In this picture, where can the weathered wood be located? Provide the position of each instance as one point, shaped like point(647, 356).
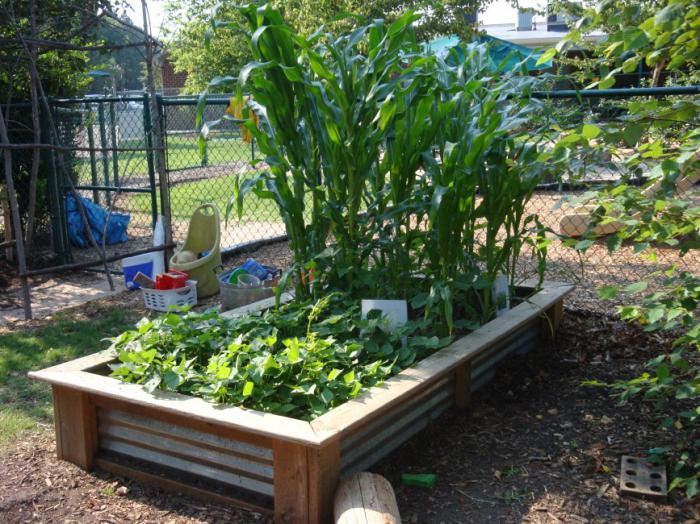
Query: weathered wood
point(76, 426)
point(179, 487)
point(372, 403)
point(291, 482)
point(551, 320)
point(366, 498)
point(463, 385)
point(246, 420)
point(324, 470)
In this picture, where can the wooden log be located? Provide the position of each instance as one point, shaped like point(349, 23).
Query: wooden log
point(366, 498)
point(76, 426)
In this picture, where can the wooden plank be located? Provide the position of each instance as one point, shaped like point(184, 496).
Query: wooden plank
point(551, 321)
point(377, 400)
point(76, 427)
point(291, 482)
point(245, 420)
point(86, 363)
point(463, 385)
point(179, 487)
point(324, 470)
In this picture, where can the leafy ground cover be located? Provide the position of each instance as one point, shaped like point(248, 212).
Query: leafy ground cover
point(300, 360)
point(25, 402)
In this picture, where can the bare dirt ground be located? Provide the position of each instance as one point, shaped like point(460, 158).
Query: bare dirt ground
point(536, 446)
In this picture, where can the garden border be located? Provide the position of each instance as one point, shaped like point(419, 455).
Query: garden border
point(292, 463)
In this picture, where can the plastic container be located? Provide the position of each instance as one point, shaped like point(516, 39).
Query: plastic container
point(203, 235)
point(132, 265)
point(162, 300)
point(233, 296)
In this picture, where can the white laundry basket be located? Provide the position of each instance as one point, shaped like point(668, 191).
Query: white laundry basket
point(162, 299)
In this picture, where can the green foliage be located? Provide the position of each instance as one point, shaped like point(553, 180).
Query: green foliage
point(414, 167)
point(301, 360)
point(663, 213)
point(662, 35)
point(189, 26)
point(203, 55)
point(124, 66)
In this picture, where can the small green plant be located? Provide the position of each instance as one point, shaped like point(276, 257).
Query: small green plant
point(514, 496)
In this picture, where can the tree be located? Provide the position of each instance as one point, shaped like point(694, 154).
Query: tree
point(227, 51)
point(43, 51)
point(123, 65)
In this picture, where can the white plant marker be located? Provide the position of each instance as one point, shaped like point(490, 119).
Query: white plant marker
point(501, 294)
point(395, 312)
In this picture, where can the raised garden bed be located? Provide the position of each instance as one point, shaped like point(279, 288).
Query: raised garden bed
point(269, 462)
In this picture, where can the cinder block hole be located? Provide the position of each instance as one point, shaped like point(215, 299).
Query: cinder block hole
point(655, 475)
point(631, 461)
point(630, 485)
point(631, 472)
point(655, 488)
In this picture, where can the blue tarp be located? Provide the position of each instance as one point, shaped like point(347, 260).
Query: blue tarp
point(499, 50)
point(97, 218)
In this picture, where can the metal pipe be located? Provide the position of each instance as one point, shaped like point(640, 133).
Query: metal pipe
point(84, 265)
point(103, 143)
point(112, 188)
point(626, 92)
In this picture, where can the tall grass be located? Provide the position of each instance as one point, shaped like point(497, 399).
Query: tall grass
point(419, 170)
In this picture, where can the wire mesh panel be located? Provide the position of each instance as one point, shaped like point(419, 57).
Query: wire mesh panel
point(105, 157)
point(207, 174)
point(566, 202)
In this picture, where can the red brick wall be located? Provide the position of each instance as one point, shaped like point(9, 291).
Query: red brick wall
point(172, 81)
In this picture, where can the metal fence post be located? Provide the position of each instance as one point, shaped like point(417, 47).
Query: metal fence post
point(103, 145)
point(115, 154)
point(59, 229)
point(148, 130)
point(93, 160)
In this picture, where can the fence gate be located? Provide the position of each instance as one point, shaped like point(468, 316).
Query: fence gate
point(106, 154)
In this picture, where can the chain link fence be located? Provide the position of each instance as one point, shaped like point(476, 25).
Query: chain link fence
point(207, 174)
point(106, 153)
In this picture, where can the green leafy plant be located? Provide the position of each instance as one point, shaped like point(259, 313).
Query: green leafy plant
point(661, 214)
point(300, 360)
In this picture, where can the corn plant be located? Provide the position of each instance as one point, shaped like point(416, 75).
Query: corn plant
point(396, 173)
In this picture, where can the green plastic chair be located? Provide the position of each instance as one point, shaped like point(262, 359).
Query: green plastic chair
point(203, 235)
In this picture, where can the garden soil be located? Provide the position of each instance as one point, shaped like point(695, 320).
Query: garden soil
point(535, 446)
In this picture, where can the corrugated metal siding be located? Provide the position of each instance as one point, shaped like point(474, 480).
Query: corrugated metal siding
point(377, 439)
point(221, 459)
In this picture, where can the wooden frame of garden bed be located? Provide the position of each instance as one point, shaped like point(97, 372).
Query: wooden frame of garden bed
point(269, 462)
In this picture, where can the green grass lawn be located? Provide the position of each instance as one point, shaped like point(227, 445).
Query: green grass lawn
point(25, 402)
point(182, 150)
point(185, 198)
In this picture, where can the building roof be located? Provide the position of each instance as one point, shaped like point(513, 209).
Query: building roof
point(539, 37)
